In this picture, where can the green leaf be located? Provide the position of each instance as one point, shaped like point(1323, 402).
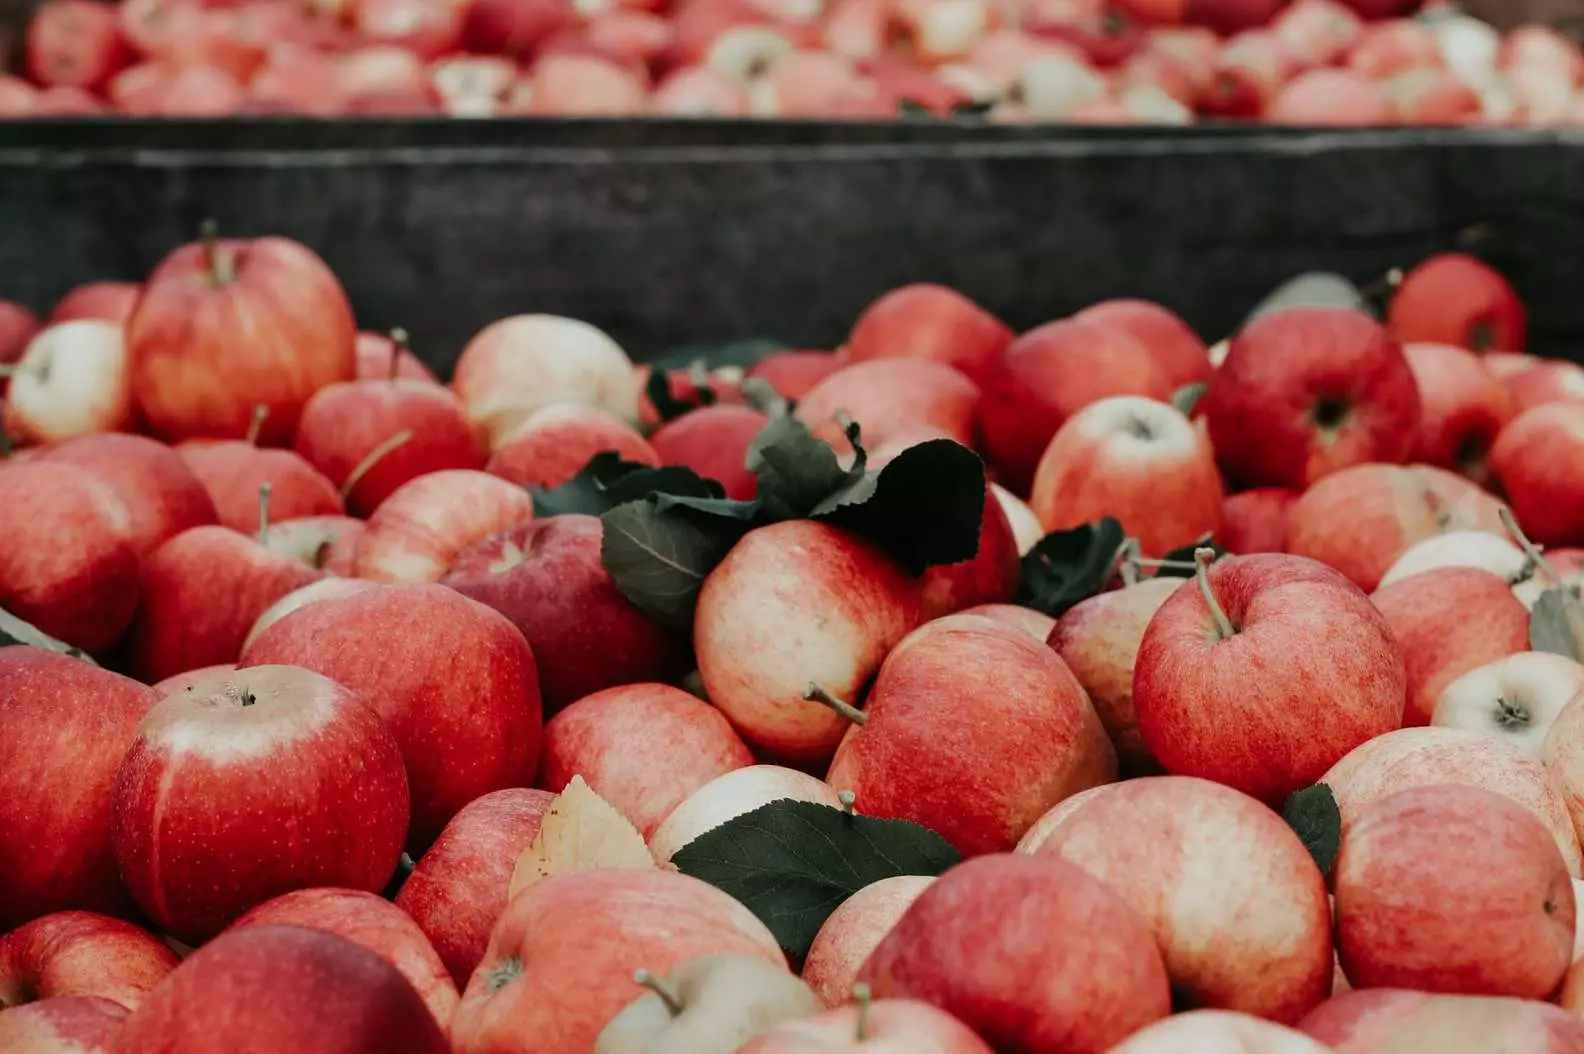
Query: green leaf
point(659, 560)
point(1313, 814)
point(796, 471)
point(667, 406)
point(607, 481)
point(1551, 625)
point(1185, 558)
point(1187, 397)
point(14, 632)
point(925, 507)
point(743, 354)
point(974, 108)
point(792, 863)
point(914, 109)
point(1066, 567)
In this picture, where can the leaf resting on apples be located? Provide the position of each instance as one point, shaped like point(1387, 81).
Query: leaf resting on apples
point(792, 863)
point(659, 559)
point(1551, 625)
point(15, 632)
point(607, 481)
point(1066, 567)
point(1313, 814)
point(579, 831)
point(798, 473)
point(925, 507)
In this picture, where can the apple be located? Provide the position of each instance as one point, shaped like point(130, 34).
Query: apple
point(1487, 913)
point(1255, 521)
point(795, 603)
point(1454, 298)
point(1562, 753)
point(183, 682)
point(1249, 70)
point(1218, 1030)
point(1393, 47)
point(1517, 698)
point(709, 1005)
point(1464, 406)
point(578, 83)
point(325, 543)
point(190, 801)
point(69, 565)
point(71, 381)
point(319, 985)
point(793, 374)
point(561, 959)
point(975, 759)
point(964, 947)
point(1530, 459)
point(418, 532)
point(65, 1024)
point(514, 28)
point(1547, 382)
point(1340, 368)
point(1176, 348)
point(80, 953)
point(18, 98)
point(373, 922)
point(232, 471)
point(427, 28)
point(852, 932)
point(713, 441)
point(1433, 96)
point(226, 326)
point(1138, 461)
point(322, 589)
point(109, 301)
point(553, 444)
point(889, 395)
point(460, 694)
point(75, 44)
point(885, 1026)
point(1047, 375)
point(1478, 549)
point(1027, 531)
point(1381, 1019)
point(1317, 32)
point(990, 576)
point(1046, 825)
point(933, 322)
point(161, 495)
point(380, 358)
point(731, 795)
point(1331, 97)
point(1427, 757)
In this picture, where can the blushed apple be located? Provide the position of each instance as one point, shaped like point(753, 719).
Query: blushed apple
point(713, 441)
point(183, 682)
point(1048, 824)
point(887, 395)
point(1256, 521)
point(161, 495)
point(379, 357)
point(1218, 1030)
point(65, 1024)
point(1454, 298)
point(232, 471)
point(1176, 348)
point(933, 322)
point(1530, 459)
point(70, 381)
point(990, 576)
point(793, 374)
point(1379, 1019)
point(1036, 624)
point(853, 931)
point(1562, 753)
point(1464, 406)
point(1477, 549)
point(80, 953)
point(1546, 382)
point(1027, 530)
point(419, 531)
point(324, 543)
point(320, 589)
point(1517, 698)
point(109, 301)
point(732, 795)
point(552, 445)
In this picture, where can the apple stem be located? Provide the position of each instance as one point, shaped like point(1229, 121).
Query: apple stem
point(255, 426)
point(1171, 565)
point(374, 457)
point(208, 236)
point(863, 996)
point(1130, 562)
point(264, 500)
point(848, 800)
point(1204, 556)
point(398, 339)
point(1531, 550)
point(658, 987)
point(816, 694)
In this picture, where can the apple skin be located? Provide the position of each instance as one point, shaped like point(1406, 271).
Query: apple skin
point(110, 301)
point(459, 886)
point(232, 471)
point(312, 593)
point(890, 1026)
point(202, 591)
point(74, 44)
point(1382, 1019)
point(853, 931)
point(1175, 347)
point(275, 329)
point(190, 802)
point(1427, 757)
point(1036, 624)
point(593, 738)
point(1306, 391)
point(1463, 408)
point(990, 576)
point(725, 1001)
point(1453, 298)
point(1456, 890)
point(80, 953)
point(964, 947)
point(1562, 753)
point(793, 374)
point(64, 1024)
point(793, 603)
point(1331, 97)
point(553, 444)
point(547, 577)
point(931, 322)
point(1531, 459)
point(1026, 527)
point(976, 759)
point(1134, 459)
point(561, 959)
point(1517, 698)
point(318, 982)
point(1245, 711)
point(345, 423)
point(378, 359)
point(324, 543)
point(1047, 825)
point(70, 381)
point(1546, 382)
point(1255, 521)
point(1479, 549)
point(713, 441)
point(1448, 622)
point(890, 395)
point(419, 531)
point(1210, 1031)
point(373, 922)
point(69, 566)
point(161, 494)
point(461, 695)
point(182, 682)
point(731, 795)
point(1047, 375)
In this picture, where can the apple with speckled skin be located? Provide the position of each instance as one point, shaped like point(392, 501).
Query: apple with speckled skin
point(1175, 347)
point(161, 494)
point(1255, 521)
point(1516, 697)
point(1464, 406)
point(1458, 299)
point(1531, 458)
point(553, 445)
point(713, 441)
point(853, 931)
point(110, 301)
point(63, 1024)
point(81, 953)
point(888, 396)
point(931, 322)
point(419, 531)
point(70, 381)
point(233, 470)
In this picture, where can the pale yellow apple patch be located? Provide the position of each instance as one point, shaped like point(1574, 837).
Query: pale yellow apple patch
point(581, 830)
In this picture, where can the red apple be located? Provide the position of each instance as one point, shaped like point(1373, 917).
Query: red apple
point(852, 932)
point(1463, 404)
point(886, 396)
point(1216, 1030)
point(1331, 97)
point(1255, 521)
point(887, 1026)
point(793, 374)
point(1433, 96)
point(427, 28)
point(183, 682)
point(383, 80)
point(1176, 348)
point(324, 543)
point(933, 322)
point(1453, 298)
point(80, 953)
point(732, 795)
point(110, 301)
point(161, 494)
point(1249, 71)
point(1547, 382)
point(713, 441)
point(66, 1024)
point(70, 381)
point(379, 358)
point(1317, 32)
point(312, 593)
point(514, 28)
point(1381, 1019)
point(225, 326)
point(990, 576)
point(75, 44)
point(233, 471)
point(1531, 458)
point(553, 444)
point(418, 532)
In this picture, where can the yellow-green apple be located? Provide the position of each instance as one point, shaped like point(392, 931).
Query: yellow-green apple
point(352, 432)
point(327, 994)
point(1531, 458)
point(1047, 375)
point(68, 723)
point(731, 795)
point(64, 1024)
point(233, 470)
point(793, 603)
point(990, 576)
point(69, 565)
point(561, 959)
point(1136, 460)
point(547, 577)
point(713, 441)
point(71, 381)
point(1428, 757)
point(1361, 519)
point(884, 1026)
point(312, 593)
point(527, 362)
point(1221, 692)
point(553, 444)
point(1305, 391)
point(461, 694)
point(459, 886)
point(1546, 382)
point(1255, 521)
point(1176, 348)
point(1027, 530)
point(1477, 549)
point(379, 357)
point(965, 947)
point(183, 682)
point(918, 751)
point(161, 494)
point(1463, 404)
point(853, 931)
point(927, 321)
point(225, 326)
point(1455, 298)
point(375, 923)
point(709, 1005)
point(276, 777)
point(1036, 624)
point(1517, 698)
point(793, 374)
point(889, 395)
point(109, 301)
point(593, 738)
point(1203, 864)
point(201, 593)
point(1562, 753)
point(1047, 825)
point(1218, 1032)
point(80, 953)
point(1377, 1020)
point(325, 543)
point(1453, 889)
point(1449, 621)
point(420, 530)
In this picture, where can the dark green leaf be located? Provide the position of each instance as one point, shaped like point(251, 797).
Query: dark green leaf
point(914, 109)
point(1313, 814)
point(1550, 625)
point(659, 560)
point(667, 406)
point(585, 492)
point(1184, 558)
point(743, 354)
point(977, 108)
point(15, 632)
point(1066, 567)
point(745, 511)
point(792, 863)
point(925, 507)
point(667, 479)
point(796, 471)
point(1187, 397)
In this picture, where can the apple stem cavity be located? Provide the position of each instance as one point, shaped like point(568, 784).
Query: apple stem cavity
point(374, 457)
point(256, 425)
point(218, 268)
point(817, 694)
point(1204, 556)
point(1511, 715)
point(399, 344)
point(863, 996)
point(264, 501)
point(658, 987)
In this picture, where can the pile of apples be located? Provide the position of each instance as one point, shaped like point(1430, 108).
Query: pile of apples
point(1308, 62)
point(1250, 718)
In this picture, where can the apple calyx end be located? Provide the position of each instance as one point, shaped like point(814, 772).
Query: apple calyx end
point(671, 1001)
point(248, 698)
point(499, 977)
point(816, 693)
point(1204, 556)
